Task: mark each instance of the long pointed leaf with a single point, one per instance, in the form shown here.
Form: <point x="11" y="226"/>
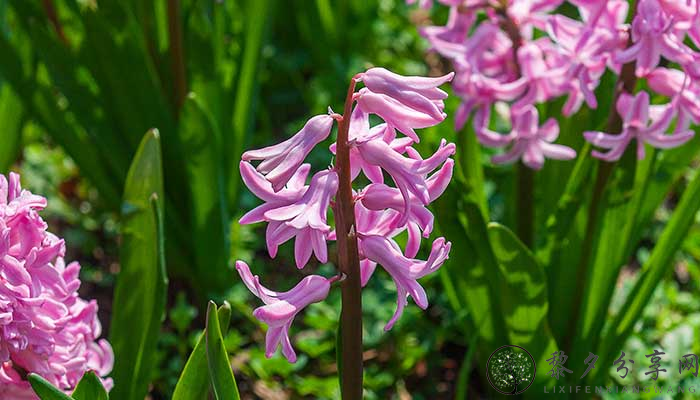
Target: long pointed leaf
<point x="222" y="380"/>
<point x="140" y="293"/>
<point x="660" y="260"/>
<point x="204" y="165"/>
<point x="194" y="380"/>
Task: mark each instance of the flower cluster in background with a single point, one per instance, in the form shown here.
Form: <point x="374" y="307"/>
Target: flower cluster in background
<point x="45" y="327"/>
<point x="523" y="53"/>
<point x="296" y="210"/>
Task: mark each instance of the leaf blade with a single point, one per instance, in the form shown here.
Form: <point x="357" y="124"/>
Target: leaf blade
<point x="194" y="379"/>
<point x="45" y="390"/>
<point x="90" y="388"/>
<point x="222" y="380"/>
<point x="140" y="292"/>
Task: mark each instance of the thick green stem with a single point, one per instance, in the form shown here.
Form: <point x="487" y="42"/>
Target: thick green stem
<point x="349" y="263"/>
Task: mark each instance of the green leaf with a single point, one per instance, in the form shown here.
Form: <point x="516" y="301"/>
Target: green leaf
<point x="11" y="116"/>
<point x="194" y="380"/>
<point x="660" y="261"/>
<point x="45" y="390"/>
<point x="222" y="380"/>
<point x="207" y="189"/>
<point x="90" y="388"/>
<point x="39" y="100"/>
<point x="140" y="292"/>
<point x="472" y="270"/>
<point x="524" y="301"/>
<point x="469" y="162"/>
<point x="257" y="14"/>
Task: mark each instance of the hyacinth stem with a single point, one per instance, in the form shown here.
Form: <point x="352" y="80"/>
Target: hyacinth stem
<point x="525" y="176"/>
<point x="525" y="187"/>
<point x="626" y="83"/>
<point x="350" y="367"/>
<point x="177" y="56"/>
<point x="52" y="15"/>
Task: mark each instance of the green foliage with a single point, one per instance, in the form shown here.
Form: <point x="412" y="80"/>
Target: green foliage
<point x="103" y="72"/>
<point x="194" y="381"/>
<point x="90" y="388"/>
<point x="45" y="390"/>
<point x="11" y="117"/>
<point x="221" y="377"/>
<point x="140" y="293"/>
<point x="89" y="92"/>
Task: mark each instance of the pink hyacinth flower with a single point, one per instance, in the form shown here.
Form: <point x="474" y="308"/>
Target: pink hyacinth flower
<point x="398" y="115"/>
<point x="653" y="34"/>
<point x="645" y="123"/>
<point x="451" y="36"/>
<point x="379" y="197"/>
<point x="545" y="78"/>
<point x="262" y="188"/>
<point x="417" y="92"/>
<point x="586" y="50"/>
<point x="408" y="174"/>
<point x="533" y="12"/>
<point x="374" y="222"/>
<point x="360" y="131"/>
<point x="404" y="271"/>
<point x="45" y="327"/>
<point x="684" y="91"/>
<point x="280" y="161"/>
<point x="533" y="143"/>
<point x="304" y="219"/>
<point x="281" y="307"/>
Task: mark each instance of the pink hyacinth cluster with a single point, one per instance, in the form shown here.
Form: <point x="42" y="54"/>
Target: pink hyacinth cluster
<point x="45" y="327"/>
<point x="521" y="53"/>
<point x="297" y="207"/>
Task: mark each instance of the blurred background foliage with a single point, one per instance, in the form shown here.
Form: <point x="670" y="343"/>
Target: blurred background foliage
<point x="81" y="81"/>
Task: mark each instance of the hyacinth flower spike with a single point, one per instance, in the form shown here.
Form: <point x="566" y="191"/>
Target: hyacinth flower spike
<point x="280" y="162"/>
<point x="45" y="327"/>
<point x="281" y="307"/>
<point x="293" y="209"/>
